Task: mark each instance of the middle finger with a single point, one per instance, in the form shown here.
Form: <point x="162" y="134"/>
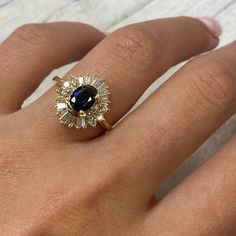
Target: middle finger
<point x="181" y="115"/>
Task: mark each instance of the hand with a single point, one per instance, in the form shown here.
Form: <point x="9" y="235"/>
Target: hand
<point x="60" y="181"/>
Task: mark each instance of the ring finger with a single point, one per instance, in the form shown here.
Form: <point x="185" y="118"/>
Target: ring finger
<point x="129" y="60"/>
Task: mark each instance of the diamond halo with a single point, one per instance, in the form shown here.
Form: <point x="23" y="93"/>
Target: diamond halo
<point x="82" y="118"/>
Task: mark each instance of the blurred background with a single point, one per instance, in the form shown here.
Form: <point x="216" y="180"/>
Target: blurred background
<point x="109" y="15"/>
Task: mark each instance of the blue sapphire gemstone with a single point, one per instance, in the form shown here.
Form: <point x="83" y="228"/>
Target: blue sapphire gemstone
<point x="83" y="98"/>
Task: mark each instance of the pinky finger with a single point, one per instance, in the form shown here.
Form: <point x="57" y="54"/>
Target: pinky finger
<point x="204" y="204"/>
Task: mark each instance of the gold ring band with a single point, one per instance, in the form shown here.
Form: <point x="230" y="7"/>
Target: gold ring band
<point x="106" y="125"/>
<point x="58" y="80"/>
<point x="82" y="101"/>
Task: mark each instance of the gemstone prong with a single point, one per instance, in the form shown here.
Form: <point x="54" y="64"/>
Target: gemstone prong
<point x="82" y="113"/>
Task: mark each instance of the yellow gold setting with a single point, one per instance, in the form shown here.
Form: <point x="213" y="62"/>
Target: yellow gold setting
<point x="82" y="118"/>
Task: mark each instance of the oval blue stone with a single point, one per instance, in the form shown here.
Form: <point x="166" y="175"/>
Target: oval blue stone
<point x="83" y="98"/>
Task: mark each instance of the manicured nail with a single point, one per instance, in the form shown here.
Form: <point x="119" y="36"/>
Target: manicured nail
<point x="105" y="32"/>
<point x="213" y="25"/>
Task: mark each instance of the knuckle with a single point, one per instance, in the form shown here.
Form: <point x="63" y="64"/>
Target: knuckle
<point x="32" y="33"/>
<point x="214" y="81"/>
<point x="133" y="43"/>
<point x="98" y="190"/>
<point x="107" y="180"/>
<point x="85" y="205"/>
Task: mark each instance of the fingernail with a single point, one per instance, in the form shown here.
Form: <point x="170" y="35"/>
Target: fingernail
<point x="213" y="25"/>
<point x="105" y="32"/>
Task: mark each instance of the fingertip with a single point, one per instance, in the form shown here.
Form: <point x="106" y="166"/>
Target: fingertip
<point x="212" y="25"/>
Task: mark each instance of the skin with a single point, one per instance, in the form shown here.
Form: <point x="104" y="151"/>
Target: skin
<point x="59" y="181"/>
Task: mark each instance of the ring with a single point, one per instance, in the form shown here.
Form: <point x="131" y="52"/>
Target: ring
<point x="82" y="101"/>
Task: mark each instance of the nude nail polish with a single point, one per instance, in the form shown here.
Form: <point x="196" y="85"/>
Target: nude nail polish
<point x="105" y="32"/>
<point x="213" y="25"/>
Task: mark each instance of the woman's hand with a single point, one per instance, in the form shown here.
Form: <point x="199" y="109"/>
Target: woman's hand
<point x="52" y="183"/>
